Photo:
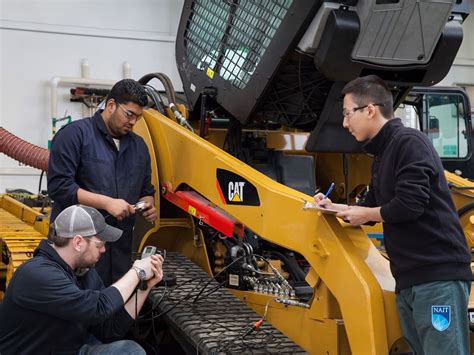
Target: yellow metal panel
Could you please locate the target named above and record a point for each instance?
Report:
(38, 221)
(347, 265)
(141, 128)
(460, 197)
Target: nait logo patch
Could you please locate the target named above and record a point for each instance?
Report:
(441, 317)
(235, 189)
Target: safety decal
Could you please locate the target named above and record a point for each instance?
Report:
(192, 210)
(441, 317)
(236, 190)
(210, 73)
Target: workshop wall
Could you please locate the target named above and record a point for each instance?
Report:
(42, 39)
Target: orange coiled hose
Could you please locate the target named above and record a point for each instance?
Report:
(23, 151)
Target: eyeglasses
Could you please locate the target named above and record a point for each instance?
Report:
(349, 112)
(129, 114)
(98, 243)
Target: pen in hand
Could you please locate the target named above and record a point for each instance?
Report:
(329, 190)
(310, 205)
(325, 196)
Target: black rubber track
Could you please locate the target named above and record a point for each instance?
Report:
(217, 321)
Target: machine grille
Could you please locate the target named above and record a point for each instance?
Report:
(230, 37)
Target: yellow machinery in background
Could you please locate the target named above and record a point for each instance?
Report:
(21, 230)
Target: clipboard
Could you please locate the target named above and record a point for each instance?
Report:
(326, 210)
(311, 206)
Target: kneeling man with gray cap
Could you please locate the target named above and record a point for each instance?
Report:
(56, 302)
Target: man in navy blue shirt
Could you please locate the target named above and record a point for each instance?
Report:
(98, 161)
(57, 304)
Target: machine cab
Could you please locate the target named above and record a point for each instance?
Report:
(444, 114)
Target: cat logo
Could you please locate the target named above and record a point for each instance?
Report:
(235, 191)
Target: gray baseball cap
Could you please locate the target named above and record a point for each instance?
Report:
(84, 221)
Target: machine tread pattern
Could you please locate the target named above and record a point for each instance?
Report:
(218, 321)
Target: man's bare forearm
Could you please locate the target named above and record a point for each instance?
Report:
(138, 302)
(127, 284)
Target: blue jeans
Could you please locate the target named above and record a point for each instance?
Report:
(117, 347)
(434, 317)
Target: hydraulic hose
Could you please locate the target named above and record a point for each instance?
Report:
(291, 265)
(171, 95)
(165, 80)
(22, 151)
(465, 209)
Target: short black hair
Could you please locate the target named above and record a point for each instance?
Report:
(371, 89)
(128, 90)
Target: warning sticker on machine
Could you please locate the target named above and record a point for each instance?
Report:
(234, 280)
(210, 73)
(192, 210)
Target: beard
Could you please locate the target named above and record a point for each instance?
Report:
(116, 126)
(85, 263)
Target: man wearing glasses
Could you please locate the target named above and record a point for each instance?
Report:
(429, 257)
(57, 303)
(98, 161)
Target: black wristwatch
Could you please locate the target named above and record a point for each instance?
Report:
(140, 273)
